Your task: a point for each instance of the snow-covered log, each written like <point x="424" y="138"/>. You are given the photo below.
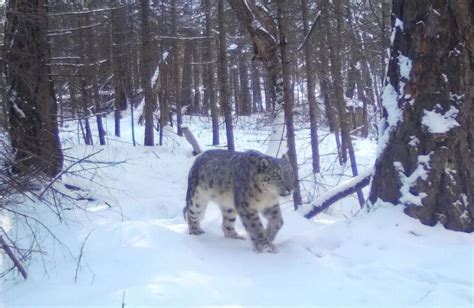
<point x="341" y="191"/>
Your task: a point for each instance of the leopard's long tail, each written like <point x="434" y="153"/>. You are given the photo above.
<point x="192" y="184"/>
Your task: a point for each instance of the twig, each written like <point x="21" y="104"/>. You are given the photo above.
<point x="14" y="259"/>
<point x="80" y="255"/>
<point x="57" y="177"/>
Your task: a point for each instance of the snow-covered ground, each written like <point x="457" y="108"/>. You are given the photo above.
<point x="129" y="243"/>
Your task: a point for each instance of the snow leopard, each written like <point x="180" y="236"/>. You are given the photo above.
<point x="244" y="185"/>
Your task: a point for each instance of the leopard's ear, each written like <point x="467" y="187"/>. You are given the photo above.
<point x="263" y="165"/>
<point x="286" y="157"/>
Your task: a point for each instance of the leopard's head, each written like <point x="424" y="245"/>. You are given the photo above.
<point x="277" y="174"/>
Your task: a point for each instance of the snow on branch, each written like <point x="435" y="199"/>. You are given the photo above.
<point x="341" y="191"/>
<point x="90" y="11"/>
<point x="182" y="38"/>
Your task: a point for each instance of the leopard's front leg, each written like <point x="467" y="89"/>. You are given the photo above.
<point x="275" y="221"/>
<point x="253" y="225"/>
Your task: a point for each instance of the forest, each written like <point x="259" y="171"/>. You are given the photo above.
<point x="107" y="107"/>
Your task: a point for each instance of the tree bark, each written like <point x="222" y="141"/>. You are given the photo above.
<point x="174" y="32"/>
<point x="211" y="80"/>
<point x="119" y="64"/>
<point x="31" y="101"/>
<point x="335" y="47"/>
<point x="256" y="89"/>
<point x="197" y="78"/>
<point x="187" y="78"/>
<point x="244" y="101"/>
<point x="426" y="142"/>
<point x="310" y="85"/>
<point x="223" y="78"/>
<point x="146" y="73"/>
<point x="282" y="11"/>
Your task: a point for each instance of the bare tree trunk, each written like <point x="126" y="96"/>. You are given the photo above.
<point x="98" y="111"/>
<point x="234" y="82"/>
<point x="256" y="89"/>
<point x="282" y="11"/>
<point x="245" y="107"/>
<point x="32" y="107"/>
<point x="269" y="93"/>
<point x="146" y="73"/>
<point x="174" y="31"/>
<point x="119" y="64"/>
<point x="211" y="44"/>
<point x="310" y="83"/>
<point x="360" y="73"/>
<point x="384" y="34"/>
<point x="335" y="47"/>
<point x="187" y="78"/>
<point x="84" y="101"/>
<point x="223" y="78"/>
<point x="325" y="83"/>
<point x="197" y="78"/>
<point x="426" y="139"/>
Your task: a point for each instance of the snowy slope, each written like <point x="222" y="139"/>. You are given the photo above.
<point x="137" y="250"/>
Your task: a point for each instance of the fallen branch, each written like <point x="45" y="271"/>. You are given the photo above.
<point x="341" y="191"/>
<point x="14" y="259"/>
<point x="191" y="139"/>
<point x="310" y="31"/>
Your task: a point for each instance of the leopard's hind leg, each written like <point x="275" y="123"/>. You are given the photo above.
<point x="196" y="204"/>
<point x="229" y="217"/>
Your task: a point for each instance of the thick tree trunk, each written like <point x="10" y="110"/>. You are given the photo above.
<point x="426" y="142"/>
<point x="223" y="78"/>
<point x="31" y="101"/>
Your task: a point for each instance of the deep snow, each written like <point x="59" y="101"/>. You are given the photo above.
<point x="138" y="251"/>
